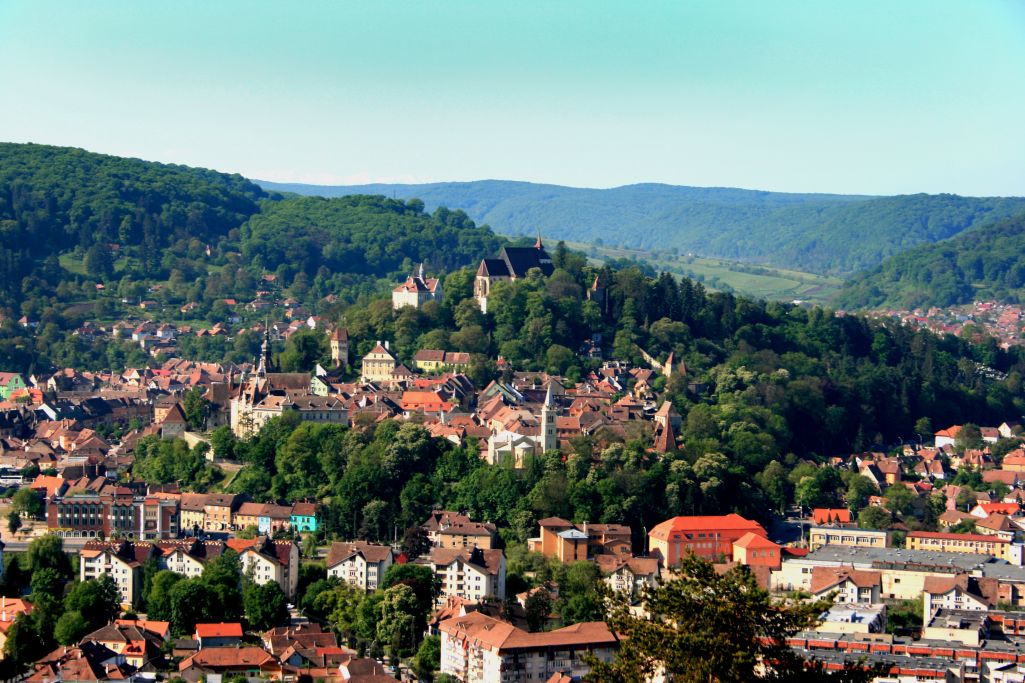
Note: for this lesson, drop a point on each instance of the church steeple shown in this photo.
(264, 367)
(537, 244)
(549, 442)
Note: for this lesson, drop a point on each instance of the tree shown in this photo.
(859, 488)
(421, 581)
(28, 502)
(97, 600)
(303, 350)
(398, 615)
(70, 628)
(703, 626)
(193, 602)
(538, 607)
(266, 605)
(158, 600)
(13, 522)
(223, 442)
(874, 518)
(415, 542)
(969, 436)
(899, 499)
(428, 658)
(195, 407)
(23, 641)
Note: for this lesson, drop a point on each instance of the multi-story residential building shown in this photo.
(455, 530)
(359, 563)
(120, 560)
(710, 538)
(218, 510)
(472, 574)
(819, 536)
(481, 649)
(976, 544)
(193, 512)
(436, 360)
(268, 560)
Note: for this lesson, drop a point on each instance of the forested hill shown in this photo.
(987, 262)
(125, 221)
(822, 233)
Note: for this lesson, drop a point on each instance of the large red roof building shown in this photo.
(710, 538)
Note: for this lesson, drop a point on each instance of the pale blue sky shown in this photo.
(862, 96)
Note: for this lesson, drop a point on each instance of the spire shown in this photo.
(421, 274)
(665, 440)
(549, 399)
(537, 244)
(264, 365)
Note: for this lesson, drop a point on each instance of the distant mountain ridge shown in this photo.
(826, 233)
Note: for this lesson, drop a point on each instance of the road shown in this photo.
(20, 546)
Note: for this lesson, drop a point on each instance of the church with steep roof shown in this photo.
(512, 263)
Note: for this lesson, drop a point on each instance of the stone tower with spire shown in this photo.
(264, 365)
(549, 442)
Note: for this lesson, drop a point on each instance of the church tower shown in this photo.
(549, 442)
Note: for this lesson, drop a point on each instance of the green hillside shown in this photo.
(70, 219)
(987, 262)
(832, 234)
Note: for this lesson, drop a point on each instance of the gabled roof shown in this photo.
(220, 630)
(825, 578)
(371, 552)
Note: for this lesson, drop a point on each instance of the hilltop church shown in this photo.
(512, 263)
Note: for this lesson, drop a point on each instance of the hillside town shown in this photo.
(1004, 322)
(928, 576)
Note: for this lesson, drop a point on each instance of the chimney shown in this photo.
(387, 345)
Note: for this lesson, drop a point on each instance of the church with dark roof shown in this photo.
(512, 263)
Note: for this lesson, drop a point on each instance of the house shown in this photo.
(946, 437)
(849, 585)
(455, 530)
(249, 661)
(379, 364)
(416, 291)
(856, 618)
(710, 537)
(960, 591)
(512, 263)
(9, 383)
(435, 360)
(757, 551)
(218, 635)
(303, 517)
(473, 574)
(482, 649)
(218, 510)
(562, 540)
(1014, 461)
(629, 575)
(359, 563)
(984, 510)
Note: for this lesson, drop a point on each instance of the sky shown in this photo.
(860, 96)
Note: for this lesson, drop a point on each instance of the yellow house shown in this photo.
(379, 364)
